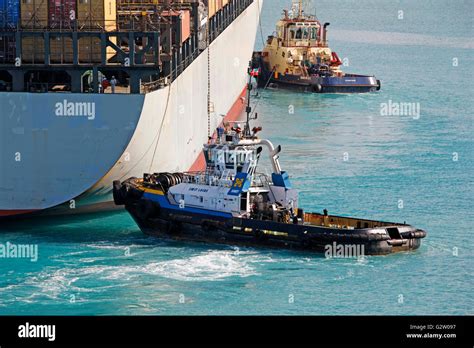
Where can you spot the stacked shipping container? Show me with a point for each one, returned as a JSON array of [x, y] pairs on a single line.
[[62, 16], [9, 15], [185, 16], [97, 15], [34, 17], [66, 15], [216, 5]]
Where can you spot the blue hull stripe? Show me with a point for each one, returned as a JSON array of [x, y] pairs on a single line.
[[163, 201]]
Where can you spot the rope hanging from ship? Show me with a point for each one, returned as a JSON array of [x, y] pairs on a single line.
[[158, 135], [260, 22], [208, 44], [264, 88]]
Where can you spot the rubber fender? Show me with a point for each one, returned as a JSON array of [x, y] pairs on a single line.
[[260, 236], [317, 88], [130, 193], [117, 193]]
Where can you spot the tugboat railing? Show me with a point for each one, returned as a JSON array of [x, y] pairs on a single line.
[[225, 180]]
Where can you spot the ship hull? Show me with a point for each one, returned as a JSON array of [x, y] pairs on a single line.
[[348, 83], [215, 227], [66, 165], [333, 84]]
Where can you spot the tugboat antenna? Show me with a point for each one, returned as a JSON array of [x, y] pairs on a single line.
[[299, 3], [248, 110]]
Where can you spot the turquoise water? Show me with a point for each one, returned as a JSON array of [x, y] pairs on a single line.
[[103, 264]]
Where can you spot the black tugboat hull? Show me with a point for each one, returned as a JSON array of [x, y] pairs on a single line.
[[349, 83], [346, 84], [172, 224]]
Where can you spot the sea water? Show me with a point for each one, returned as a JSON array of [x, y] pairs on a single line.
[[344, 154]]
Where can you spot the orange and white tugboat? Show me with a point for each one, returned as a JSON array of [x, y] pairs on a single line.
[[297, 56]]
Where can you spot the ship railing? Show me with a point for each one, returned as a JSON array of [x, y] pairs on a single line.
[[208, 178], [261, 180], [217, 24], [122, 24], [175, 72]]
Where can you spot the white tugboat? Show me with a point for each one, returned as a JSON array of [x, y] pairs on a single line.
[[233, 203]]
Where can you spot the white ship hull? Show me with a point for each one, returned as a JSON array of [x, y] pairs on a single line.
[[168, 135]]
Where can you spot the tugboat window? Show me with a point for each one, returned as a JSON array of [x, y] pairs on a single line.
[[299, 33], [305, 33]]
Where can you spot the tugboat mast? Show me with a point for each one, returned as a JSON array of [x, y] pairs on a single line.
[[299, 3], [248, 109]]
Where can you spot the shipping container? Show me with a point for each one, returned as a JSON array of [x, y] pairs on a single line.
[[214, 6], [89, 50], [7, 50], [60, 49], [97, 15], [185, 16], [9, 16], [34, 14], [9, 13], [62, 14], [32, 50]]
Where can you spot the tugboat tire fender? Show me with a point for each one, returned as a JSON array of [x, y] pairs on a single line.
[[317, 88], [131, 193], [119, 198], [259, 235]]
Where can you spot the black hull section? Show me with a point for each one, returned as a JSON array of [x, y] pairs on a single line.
[[349, 83], [169, 224]]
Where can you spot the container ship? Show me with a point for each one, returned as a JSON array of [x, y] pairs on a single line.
[[93, 91]]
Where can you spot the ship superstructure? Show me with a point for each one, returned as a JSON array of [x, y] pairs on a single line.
[[112, 90]]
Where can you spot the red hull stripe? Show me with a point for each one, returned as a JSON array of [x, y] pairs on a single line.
[[15, 212]]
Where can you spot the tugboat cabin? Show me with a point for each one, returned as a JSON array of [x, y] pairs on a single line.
[[231, 184]]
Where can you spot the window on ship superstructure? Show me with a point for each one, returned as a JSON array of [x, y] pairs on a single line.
[[292, 34], [305, 33], [299, 34]]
